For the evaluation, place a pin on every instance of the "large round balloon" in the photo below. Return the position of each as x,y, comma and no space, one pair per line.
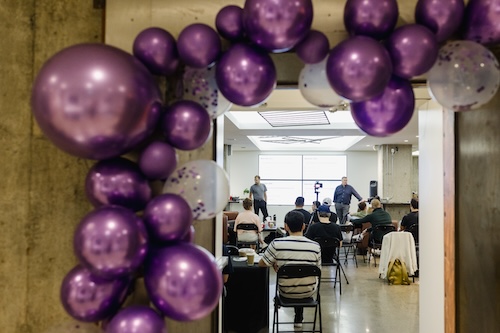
313,48
388,113
89,298
246,75
413,49
183,281
442,17
199,45
372,18
200,86
186,125
136,319
229,23
359,68
117,181
95,101
158,160
111,242
465,76
277,25
314,86
73,326
482,21
157,50
168,217
203,184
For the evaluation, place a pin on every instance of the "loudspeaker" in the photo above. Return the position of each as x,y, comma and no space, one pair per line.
229,150
373,188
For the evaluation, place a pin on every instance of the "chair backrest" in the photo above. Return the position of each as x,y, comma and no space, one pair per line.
347,232
291,271
329,248
379,231
232,250
247,226
306,277
414,231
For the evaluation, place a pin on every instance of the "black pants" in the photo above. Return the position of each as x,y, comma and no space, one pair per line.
262,205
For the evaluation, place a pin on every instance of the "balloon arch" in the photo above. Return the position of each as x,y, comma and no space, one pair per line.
98,102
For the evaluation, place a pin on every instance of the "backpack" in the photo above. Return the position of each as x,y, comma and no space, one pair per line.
397,273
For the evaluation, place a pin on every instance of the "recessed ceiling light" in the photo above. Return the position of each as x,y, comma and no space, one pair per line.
368,145
406,140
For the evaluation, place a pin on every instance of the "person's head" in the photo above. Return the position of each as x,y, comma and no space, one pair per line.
327,201
361,206
247,204
376,204
414,203
257,179
294,221
324,211
316,205
344,181
299,202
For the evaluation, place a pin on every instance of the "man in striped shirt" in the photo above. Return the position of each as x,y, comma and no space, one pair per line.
294,249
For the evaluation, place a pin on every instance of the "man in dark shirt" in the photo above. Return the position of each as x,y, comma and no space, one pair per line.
377,217
324,229
342,198
299,207
412,217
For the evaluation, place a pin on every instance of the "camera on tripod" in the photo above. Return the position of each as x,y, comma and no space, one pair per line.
317,186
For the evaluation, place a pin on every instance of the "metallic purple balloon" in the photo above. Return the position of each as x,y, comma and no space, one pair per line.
117,181
137,319
277,25
111,242
358,68
413,49
87,297
158,160
246,75
186,125
199,45
168,217
95,101
482,21
372,18
388,113
313,48
156,49
442,17
229,23
183,281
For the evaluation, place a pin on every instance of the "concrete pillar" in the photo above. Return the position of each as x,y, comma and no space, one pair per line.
395,173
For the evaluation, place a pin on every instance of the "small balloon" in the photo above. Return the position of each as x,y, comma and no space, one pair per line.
229,23
372,18
111,242
199,45
186,125
388,113
442,17
74,326
203,184
158,160
183,281
117,181
481,22
313,48
137,319
157,50
465,76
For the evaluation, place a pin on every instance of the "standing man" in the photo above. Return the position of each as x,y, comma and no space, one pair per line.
342,199
258,192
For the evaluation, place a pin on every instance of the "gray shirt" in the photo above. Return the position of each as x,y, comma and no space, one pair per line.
258,191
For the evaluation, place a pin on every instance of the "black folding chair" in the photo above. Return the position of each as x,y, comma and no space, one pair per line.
248,227
330,249
413,229
378,233
349,245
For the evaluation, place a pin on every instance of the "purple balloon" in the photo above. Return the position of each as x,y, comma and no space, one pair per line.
199,45
229,23
313,48
246,76
95,101
388,113
158,160
359,68
117,181
168,217
372,18
482,21
189,237
137,319
277,25
442,17
111,242
156,49
89,298
413,49
186,125
183,281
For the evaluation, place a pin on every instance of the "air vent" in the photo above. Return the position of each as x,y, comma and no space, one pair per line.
295,118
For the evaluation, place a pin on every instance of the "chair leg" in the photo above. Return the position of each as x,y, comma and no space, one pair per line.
275,317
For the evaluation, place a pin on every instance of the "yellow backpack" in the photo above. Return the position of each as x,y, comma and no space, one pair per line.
397,273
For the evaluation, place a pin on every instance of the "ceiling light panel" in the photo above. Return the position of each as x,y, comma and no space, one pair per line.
295,118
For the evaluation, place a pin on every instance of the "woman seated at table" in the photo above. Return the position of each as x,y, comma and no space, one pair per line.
248,217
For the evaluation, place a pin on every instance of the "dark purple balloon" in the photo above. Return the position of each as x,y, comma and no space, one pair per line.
388,113
372,18
95,101
158,160
358,68
111,242
481,23
183,281
137,319
442,17
87,297
199,45
229,23
277,25
245,75
313,48
117,181
413,49
168,217
156,49
186,125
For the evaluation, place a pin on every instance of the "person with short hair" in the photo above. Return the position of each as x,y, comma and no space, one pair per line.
412,217
325,229
377,217
258,192
299,207
361,212
342,198
248,217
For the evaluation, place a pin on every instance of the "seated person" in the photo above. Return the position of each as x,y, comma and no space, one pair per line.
377,217
299,207
248,217
412,217
325,229
362,211
333,216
